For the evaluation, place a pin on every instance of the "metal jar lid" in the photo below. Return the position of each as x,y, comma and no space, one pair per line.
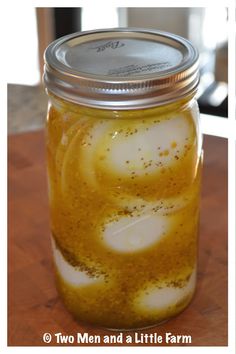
125,68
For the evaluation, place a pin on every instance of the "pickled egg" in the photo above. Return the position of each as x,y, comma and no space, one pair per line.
72,275
162,297
144,148
132,234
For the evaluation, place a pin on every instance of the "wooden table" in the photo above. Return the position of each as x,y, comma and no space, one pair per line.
34,306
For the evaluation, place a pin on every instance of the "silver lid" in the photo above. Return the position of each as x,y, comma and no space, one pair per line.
125,68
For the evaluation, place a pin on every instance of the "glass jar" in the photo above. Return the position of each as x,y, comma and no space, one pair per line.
124,166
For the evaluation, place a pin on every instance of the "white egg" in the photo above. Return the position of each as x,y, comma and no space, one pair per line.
160,298
146,148
70,274
132,234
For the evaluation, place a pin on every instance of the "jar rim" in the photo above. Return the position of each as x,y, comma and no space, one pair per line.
124,68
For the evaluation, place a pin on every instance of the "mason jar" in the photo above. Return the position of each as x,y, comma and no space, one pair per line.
124,169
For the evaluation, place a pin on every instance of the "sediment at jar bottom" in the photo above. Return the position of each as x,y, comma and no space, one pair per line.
102,301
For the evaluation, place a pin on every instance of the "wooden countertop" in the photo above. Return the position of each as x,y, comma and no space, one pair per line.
33,304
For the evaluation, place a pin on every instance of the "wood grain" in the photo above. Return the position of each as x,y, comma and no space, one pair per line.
33,304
